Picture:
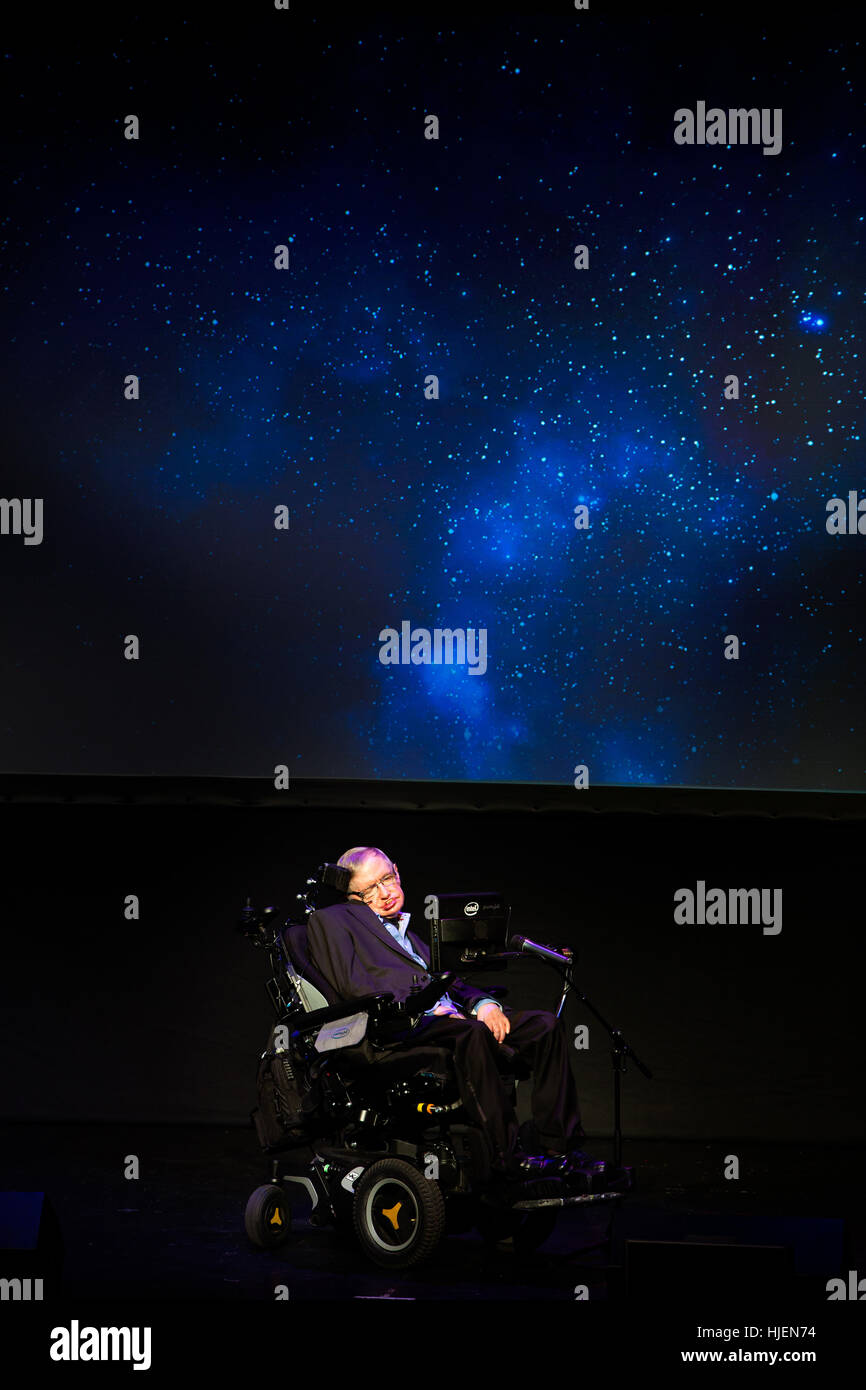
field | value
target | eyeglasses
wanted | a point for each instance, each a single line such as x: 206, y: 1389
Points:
x: 384, y: 887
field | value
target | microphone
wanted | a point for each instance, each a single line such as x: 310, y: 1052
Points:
x: 522, y: 943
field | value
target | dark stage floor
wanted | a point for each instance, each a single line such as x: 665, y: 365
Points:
x: 177, y: 1232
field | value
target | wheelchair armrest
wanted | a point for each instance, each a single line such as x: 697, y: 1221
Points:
x: 423, y: 999
x: 306, y: 1022
x: 381, y: 1007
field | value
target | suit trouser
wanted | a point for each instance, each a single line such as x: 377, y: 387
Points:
x: 538, y: 1039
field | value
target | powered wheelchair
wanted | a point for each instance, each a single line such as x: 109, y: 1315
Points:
x: 376, y: 1138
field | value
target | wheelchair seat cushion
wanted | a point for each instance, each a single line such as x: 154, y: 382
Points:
x: 395, y: 1063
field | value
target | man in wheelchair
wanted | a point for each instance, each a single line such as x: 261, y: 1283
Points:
x: 364, y: 946
x: 387, y: 1094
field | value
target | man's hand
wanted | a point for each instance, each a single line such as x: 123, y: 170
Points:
x: 496, y: 1020
x: 446, y: 1009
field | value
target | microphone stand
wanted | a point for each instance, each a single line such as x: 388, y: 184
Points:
x: 620, y: 1050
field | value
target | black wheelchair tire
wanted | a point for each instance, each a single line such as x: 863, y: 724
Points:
x: 386, y: 1180
x: 266, y: 1203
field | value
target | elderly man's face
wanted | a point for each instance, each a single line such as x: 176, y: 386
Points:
x: 389, y: 897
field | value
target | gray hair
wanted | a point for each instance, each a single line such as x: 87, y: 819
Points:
x: 354, y: 858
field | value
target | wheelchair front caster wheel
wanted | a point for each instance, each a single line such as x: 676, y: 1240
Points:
x: 398, y: 1214
x: 268, y: 1217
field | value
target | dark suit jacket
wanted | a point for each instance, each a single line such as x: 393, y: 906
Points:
x: 356, y: 954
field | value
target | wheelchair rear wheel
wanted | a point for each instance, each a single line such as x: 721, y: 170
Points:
x: 268, y: 1217
x: 398, y: 1214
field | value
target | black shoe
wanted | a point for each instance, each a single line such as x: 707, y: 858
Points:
x: 538, y: 1166
x: 578, y: 1158
x: 581, y: 1172
x: 554, y: 1165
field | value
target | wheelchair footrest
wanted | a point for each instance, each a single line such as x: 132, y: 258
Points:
x: 532, y: 1204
